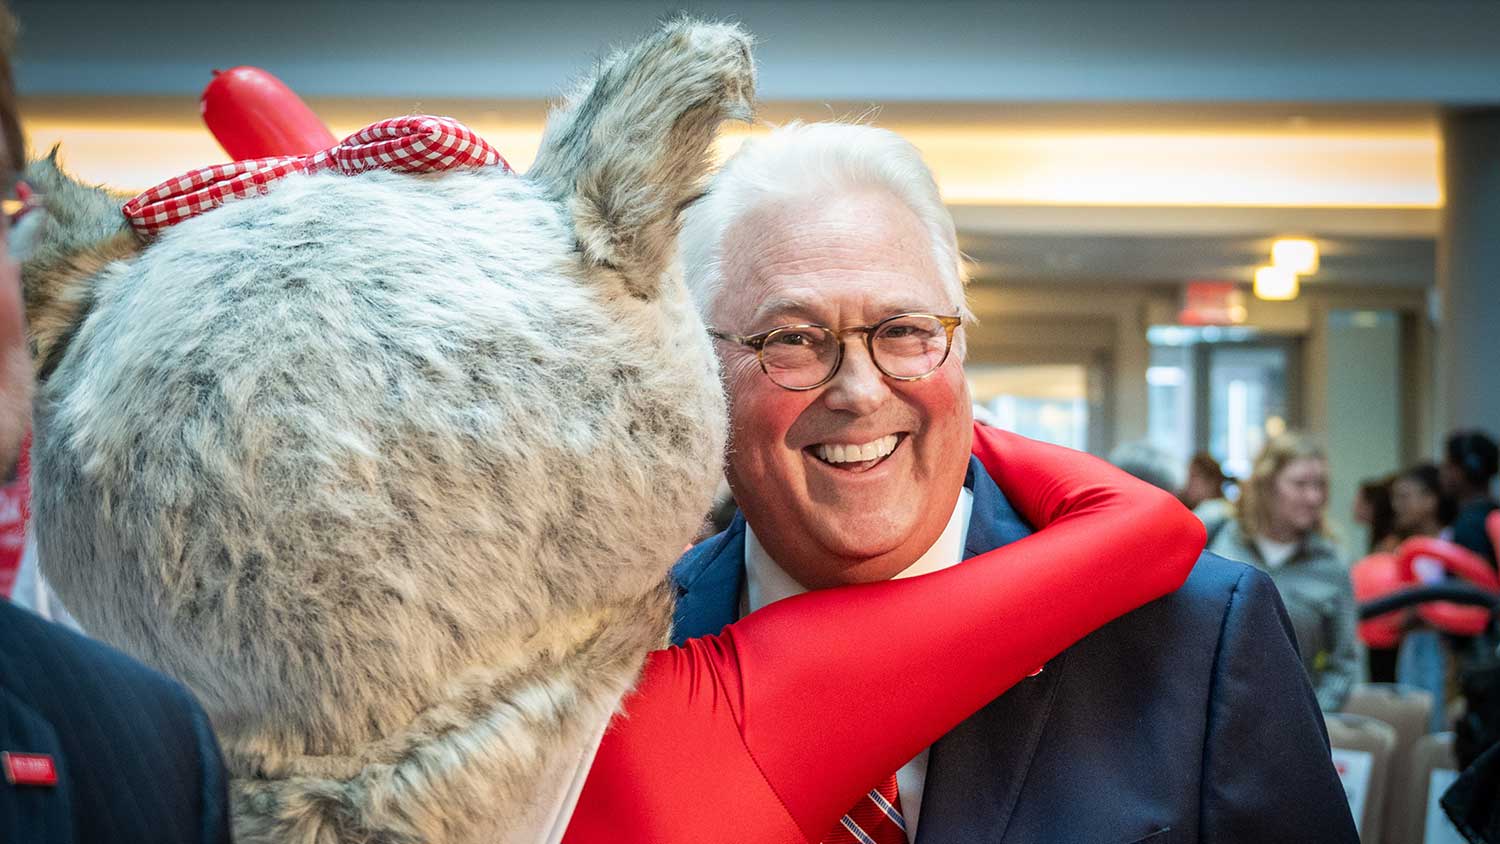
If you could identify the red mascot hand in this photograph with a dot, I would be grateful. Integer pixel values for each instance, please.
(253, 115)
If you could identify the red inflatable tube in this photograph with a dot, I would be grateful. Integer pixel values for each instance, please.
(253, 115)
(1377, 576)
(1457, 560)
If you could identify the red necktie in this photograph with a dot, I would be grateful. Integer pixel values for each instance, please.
(875, 819)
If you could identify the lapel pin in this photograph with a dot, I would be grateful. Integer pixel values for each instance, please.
(35, 769)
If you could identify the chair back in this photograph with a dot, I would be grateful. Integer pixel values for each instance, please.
(1362, 748)
(1409, 711)
(1433, 768)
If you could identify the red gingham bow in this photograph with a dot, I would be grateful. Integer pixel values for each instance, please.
(414, 144)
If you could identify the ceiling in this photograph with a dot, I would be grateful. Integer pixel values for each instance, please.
(1074, 140)
(1070, 258)
(870, 51)
(1112, 192)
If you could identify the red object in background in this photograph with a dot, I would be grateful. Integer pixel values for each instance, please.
(15, 503)
(1377, 576)
(253, 115)
(1452, 618)
(1493, 524)
(1212, 303)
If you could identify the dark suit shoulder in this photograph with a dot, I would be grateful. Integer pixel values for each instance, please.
(37, 646)
(136, 756)
(1215, 577)
(1200, 605)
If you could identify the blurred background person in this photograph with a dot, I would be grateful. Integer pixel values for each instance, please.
(1278, 526)
(1372, 508)
(1470, 462)
(1205, 481)
(1419, 505)
(1204, 491)
(1149, 463)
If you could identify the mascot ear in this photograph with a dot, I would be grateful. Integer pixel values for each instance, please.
(629, 149)
(77, 231)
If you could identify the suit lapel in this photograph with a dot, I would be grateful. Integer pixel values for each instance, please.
(709, 579)
(976, 771)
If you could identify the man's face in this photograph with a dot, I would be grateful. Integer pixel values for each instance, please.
(840, 261)
(15, 362)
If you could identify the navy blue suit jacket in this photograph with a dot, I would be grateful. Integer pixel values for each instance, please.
(1190, 719)
(136, 759)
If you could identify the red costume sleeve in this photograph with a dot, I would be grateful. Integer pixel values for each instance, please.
(770, 730)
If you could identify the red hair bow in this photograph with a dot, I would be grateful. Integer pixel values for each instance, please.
(413, 144)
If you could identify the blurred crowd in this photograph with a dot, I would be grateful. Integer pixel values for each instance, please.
(1275, 519)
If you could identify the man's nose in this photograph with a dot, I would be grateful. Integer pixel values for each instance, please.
(858, 386)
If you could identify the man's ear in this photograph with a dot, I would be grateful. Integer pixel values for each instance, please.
(78, 232)
(629, 149)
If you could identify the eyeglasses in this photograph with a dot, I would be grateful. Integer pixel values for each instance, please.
(906, 347)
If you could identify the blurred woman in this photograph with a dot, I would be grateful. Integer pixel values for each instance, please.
(1419, 507)
(1278, 527)
(1205, 480)
(1471, 460)
(1423, 508)
(1372, 508)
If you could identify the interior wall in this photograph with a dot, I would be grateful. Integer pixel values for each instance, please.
(1362, 391)
(1363, 400)
(1039, 323)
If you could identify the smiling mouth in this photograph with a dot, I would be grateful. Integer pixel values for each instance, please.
(856, 457)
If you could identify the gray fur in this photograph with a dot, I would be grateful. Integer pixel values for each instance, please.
(77, 215)
(611, 138)
(77, 232)
(390, 469)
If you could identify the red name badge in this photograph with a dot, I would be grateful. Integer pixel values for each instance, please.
(29, 769)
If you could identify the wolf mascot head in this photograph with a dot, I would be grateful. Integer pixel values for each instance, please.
(390, 468)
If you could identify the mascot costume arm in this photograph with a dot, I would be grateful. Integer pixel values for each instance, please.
(778, 724)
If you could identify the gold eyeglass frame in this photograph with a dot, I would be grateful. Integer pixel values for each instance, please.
(758, 343)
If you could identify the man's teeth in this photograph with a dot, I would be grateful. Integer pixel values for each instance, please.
(857, 453)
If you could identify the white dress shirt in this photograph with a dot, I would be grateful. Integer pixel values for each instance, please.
(766, 582)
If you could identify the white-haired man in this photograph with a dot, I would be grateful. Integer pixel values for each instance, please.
(849, 460)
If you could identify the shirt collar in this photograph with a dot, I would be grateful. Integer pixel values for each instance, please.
(767, 582)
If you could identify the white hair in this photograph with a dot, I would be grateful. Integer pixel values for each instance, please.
(813, 159)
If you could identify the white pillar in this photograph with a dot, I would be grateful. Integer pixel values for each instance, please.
(1469, 272)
